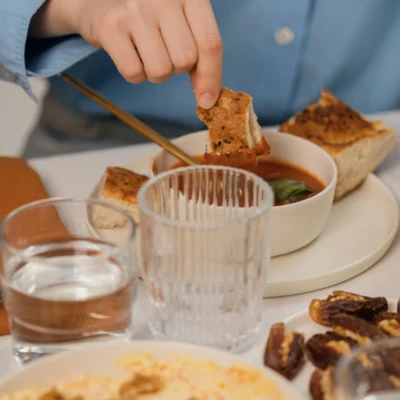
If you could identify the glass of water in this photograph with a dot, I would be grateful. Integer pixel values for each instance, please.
(65, 282)
(205, 254)
(370, 372)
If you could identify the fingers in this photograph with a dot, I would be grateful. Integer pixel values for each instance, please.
(171, 36)
(192, 75)
(207, 75)
(150, 44)
(123, 52)
(114, 37)
(178, 38)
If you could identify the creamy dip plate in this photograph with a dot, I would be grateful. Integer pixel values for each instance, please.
(145, 370)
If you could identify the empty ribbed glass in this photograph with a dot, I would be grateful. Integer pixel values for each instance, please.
(205, 253)
(368, 372)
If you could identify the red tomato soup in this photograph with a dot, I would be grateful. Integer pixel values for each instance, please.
(289, 182)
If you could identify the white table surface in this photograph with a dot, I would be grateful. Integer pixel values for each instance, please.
(75, 175)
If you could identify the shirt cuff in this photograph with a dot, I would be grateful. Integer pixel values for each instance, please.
(48, 57)
(21, 57)
(13, 34)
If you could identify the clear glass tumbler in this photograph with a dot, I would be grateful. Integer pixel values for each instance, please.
(205, 254)
(65, 282)
(371, 372)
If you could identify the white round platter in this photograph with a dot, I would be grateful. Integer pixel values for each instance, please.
(101, 360)
(359, 232)
(302, 322)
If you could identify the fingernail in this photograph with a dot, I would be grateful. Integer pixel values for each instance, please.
(206, 100)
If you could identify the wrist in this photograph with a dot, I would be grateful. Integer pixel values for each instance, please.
(55, 18)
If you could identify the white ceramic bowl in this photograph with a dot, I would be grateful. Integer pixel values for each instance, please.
(100, 360)
(293, 226)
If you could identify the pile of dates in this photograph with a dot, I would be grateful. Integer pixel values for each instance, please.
(353, 320)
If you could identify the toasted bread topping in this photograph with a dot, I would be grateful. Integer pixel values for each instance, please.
(122, 184)
(356, 144)
(331, 122)
(227, 122)
(234, 133)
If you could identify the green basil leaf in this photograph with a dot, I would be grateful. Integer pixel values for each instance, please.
(289, 190)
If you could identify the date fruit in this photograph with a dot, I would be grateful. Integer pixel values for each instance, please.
(379, 381)
(326, 349)
(340, 302)
(322, 384)
(386, 315)
(354, 328)
(284, 352)
(391, 362)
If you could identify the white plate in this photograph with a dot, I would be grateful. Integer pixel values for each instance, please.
(101, 359)
(360, 230)
(302, 322)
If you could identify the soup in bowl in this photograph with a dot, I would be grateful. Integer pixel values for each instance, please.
(302, 175)
(289, 183)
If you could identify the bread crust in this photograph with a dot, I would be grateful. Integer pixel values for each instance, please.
(350, 191)
(119, 187)
(122, 184)
(240, 158)
(332, 124)
(229, 140)
(338, 129)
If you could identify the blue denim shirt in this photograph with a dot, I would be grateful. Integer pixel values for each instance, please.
(282, 52)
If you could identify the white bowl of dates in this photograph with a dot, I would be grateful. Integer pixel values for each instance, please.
(302, 175)
(311, 347)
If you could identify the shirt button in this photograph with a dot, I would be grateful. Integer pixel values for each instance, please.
(284, 36)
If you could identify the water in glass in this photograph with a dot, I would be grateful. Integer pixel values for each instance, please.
(66, 288)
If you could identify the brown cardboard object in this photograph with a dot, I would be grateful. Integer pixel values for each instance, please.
(20, 185)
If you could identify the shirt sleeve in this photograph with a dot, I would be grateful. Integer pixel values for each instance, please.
(21, 57)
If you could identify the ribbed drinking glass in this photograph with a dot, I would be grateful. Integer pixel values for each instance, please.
(370, 372)
(205, 254)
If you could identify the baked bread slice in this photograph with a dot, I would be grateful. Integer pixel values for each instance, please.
(356, 144)
(120, 187)
(234, 137)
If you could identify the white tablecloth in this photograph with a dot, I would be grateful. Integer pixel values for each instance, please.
(75, 175)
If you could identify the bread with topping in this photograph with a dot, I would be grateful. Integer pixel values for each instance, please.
(235, 137)
(356, 144)
(119, 187)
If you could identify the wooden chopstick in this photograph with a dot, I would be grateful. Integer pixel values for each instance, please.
(131, 121)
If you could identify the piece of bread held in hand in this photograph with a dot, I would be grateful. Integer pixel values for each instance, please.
(119, 187)
(356, 144)
(235, 137)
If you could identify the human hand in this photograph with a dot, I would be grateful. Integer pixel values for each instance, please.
(171, 37)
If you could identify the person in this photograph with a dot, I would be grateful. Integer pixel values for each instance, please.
(149, 55)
